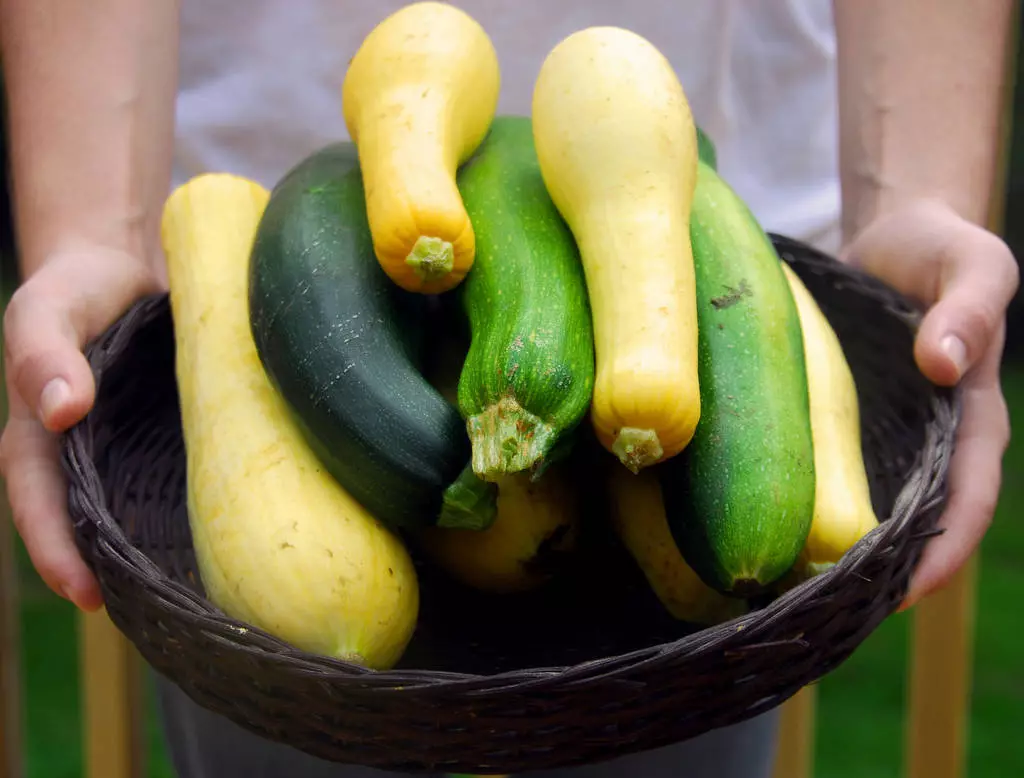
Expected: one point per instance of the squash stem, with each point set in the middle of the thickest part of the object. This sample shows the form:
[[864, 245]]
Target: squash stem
[[746, 587], [468, 503], [431, 258], [637, 448], [507, 438]]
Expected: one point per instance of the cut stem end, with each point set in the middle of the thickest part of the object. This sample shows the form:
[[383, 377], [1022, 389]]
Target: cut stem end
[[506, 439], [431, 258], [637, 448]]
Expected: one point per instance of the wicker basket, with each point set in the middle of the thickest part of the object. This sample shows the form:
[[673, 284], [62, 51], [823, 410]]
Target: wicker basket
[[588, 670]]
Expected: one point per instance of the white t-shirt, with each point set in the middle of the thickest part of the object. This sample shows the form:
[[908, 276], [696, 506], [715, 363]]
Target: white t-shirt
[[260, 85]]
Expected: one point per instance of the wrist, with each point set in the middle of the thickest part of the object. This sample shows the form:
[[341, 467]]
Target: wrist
[[127, 248], [874, 189], [877, 200], [41, 240]]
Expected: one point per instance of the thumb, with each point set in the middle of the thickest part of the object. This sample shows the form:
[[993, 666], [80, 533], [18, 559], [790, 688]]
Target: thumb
[[978, 279], [44, 358], [51, 317]]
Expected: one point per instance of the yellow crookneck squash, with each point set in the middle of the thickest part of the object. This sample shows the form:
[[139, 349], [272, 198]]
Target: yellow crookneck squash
[[279, 543], [843, 512], [418, 98], [638, 519], [617, 148]]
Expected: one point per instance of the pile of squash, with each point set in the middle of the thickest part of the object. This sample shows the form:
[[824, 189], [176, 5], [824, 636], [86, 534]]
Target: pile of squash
[[417, 332]]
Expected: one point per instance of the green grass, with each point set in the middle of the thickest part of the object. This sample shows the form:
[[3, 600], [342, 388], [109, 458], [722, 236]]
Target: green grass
[[52, 725], [861, 705]]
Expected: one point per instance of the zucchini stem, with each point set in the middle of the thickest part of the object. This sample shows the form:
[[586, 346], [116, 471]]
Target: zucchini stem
[[468, 503], [637, 448], [507, 438], [431, 258], [746, 587]]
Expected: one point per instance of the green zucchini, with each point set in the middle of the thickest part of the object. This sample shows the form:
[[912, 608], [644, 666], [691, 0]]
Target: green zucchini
[[338, 340], [706, 151], [740, 497], [529, 374]]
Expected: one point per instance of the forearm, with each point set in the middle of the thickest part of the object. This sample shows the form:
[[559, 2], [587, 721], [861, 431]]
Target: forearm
[[921, 89], [90, 90]]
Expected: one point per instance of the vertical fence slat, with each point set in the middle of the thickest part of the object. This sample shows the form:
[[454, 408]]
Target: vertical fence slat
[[112, 720], [795, 755], [940, 679]]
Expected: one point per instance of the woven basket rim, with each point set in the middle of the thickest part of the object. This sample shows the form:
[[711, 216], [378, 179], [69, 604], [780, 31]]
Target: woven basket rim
[[113, 542]]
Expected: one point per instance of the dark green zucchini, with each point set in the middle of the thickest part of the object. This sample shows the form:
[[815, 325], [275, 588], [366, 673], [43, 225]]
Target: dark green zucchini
[[339, 341], [529, 374], [740, 497]]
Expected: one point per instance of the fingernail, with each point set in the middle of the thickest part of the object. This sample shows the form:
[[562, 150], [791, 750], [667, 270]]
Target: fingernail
[[955, 349], [54, 394]]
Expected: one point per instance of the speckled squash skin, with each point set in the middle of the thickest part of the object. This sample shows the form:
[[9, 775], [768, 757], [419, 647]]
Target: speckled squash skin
[[740, 498], [279, 543], [529, 374], [417, 98], [617, 148], [341, 343]]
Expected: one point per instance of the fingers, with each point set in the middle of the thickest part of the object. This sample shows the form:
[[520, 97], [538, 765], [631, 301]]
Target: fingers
[[979, 278], [71, 299], [37, 494], [964, 274], [45, 363], [51, 317], [974, 478]]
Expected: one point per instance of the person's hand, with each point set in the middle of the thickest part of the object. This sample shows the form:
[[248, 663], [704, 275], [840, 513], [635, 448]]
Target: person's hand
[[965, 276], [72, 298]]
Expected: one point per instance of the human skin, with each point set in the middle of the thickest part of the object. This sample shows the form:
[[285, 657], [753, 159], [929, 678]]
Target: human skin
[[91, 90], [921, 94]]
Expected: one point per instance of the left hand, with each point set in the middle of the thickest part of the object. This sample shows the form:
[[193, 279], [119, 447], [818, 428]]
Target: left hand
[[965, 277]]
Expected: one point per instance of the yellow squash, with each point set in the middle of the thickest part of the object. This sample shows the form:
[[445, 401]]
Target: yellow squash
[[638, 518], [843, 513], [279, 544], [418, 98], [537, 522], [618, 152], [536, 526]]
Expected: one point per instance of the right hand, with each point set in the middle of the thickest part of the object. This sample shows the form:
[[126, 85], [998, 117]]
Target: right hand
[[72, 298]]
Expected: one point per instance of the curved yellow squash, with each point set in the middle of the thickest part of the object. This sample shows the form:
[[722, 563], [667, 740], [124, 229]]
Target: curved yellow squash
[[618, 152], [418, 99], [537, 524], [638, 518], [843, 513], [279, 544]]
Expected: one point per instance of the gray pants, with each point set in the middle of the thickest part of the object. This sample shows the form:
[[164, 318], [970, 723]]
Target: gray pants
[[205, 745]]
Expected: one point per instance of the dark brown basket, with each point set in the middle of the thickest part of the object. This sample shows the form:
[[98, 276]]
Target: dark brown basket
[[587, 670]]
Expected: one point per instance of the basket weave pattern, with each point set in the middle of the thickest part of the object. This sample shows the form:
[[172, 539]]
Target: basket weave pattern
[[525, 684]]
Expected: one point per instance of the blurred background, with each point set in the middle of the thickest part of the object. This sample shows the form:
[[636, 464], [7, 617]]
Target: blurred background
[[860, 707]]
